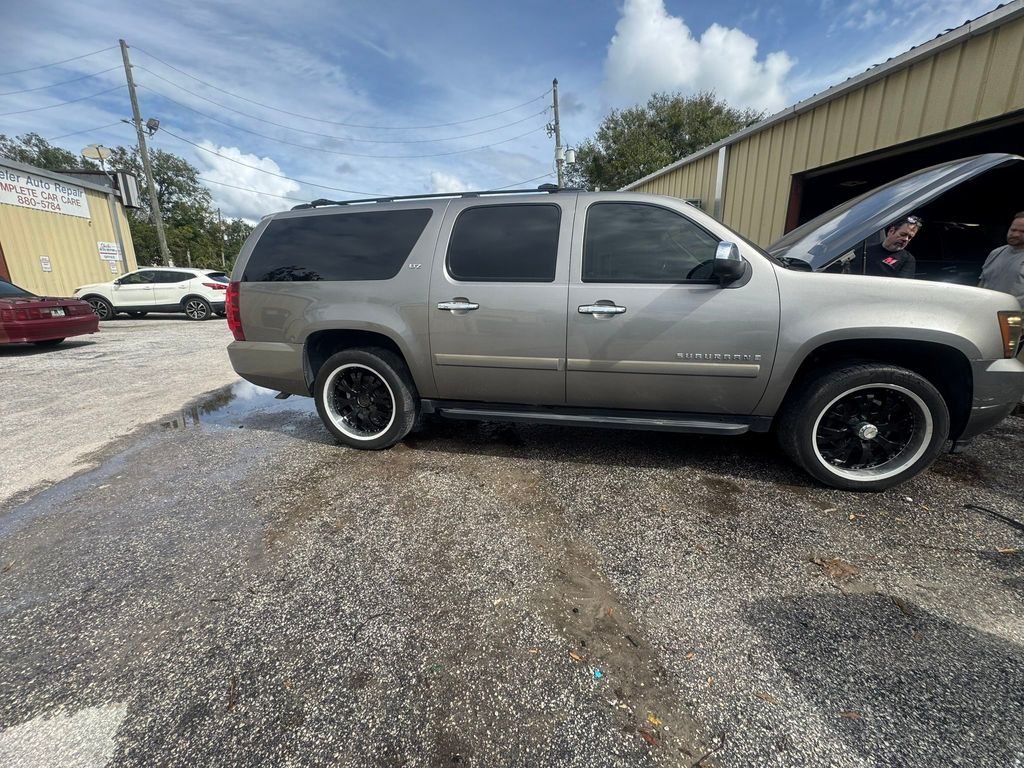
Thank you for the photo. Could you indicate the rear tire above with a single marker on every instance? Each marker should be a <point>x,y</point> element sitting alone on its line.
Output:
<point>197,308</point>
<point>104,309</point>
<point>366,398</point>
<point>864,426</point>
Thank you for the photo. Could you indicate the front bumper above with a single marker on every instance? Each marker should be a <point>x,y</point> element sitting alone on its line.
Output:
<point>998,387</point>
<point>270,364</point>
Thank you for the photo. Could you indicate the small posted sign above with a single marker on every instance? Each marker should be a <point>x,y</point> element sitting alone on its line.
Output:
<point>109,251</point>
<point>44,262</point>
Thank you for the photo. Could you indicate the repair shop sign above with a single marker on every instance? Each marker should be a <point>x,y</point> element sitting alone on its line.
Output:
<point>26,190</point>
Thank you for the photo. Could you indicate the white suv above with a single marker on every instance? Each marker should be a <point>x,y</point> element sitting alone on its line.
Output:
<point>199,293</point>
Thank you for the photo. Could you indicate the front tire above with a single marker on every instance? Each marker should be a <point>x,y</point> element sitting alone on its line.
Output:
<point>197,308</point>
<point>864,426</point>
<point>104,309</point>
<point>366,398</point>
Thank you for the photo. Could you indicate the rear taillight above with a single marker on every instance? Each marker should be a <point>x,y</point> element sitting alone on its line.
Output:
<point>234,315</point>
<point>216,286</point>
<point>7,315</point>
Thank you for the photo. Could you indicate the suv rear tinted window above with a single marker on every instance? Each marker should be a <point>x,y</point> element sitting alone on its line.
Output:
<point>505,243</point>
<point>639,243</point>
<point>369,245</point>
<point>173,277</point>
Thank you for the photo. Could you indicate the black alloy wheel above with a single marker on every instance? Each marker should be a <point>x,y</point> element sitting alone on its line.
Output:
<point>366,397</point>
<point>863,426</point>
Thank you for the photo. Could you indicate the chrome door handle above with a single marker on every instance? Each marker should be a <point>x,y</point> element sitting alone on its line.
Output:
<point>457,306</point>
<point>597,310</point>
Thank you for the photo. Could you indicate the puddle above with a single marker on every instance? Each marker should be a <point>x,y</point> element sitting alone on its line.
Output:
<point>84,739</point>
<point>236,405</point>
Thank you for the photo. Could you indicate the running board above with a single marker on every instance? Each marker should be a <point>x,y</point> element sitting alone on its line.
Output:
<point>701,424</point>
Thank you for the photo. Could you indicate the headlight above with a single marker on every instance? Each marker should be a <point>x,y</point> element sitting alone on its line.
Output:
<point>1010,327</point>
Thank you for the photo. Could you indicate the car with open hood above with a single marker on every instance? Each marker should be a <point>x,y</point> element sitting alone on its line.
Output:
<point>618,309</point>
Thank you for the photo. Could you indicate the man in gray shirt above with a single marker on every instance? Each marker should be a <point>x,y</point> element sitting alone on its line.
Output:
<point>1004,267</point>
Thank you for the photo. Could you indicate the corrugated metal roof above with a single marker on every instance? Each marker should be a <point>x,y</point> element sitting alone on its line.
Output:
<point>984,23</point>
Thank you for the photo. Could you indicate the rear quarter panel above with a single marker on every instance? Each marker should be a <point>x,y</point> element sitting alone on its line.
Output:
<point>289,312</point>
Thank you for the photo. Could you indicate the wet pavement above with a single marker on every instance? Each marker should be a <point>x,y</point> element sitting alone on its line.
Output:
<point>230,587</point>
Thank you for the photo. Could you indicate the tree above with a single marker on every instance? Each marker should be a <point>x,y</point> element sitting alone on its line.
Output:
<point>190,221</point>
<point>634,142</point>
<point>33,149</point>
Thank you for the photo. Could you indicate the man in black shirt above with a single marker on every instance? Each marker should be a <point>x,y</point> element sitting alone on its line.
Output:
<point>889,257</point>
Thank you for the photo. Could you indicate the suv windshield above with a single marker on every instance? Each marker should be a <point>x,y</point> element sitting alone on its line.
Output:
<point>10,291</point>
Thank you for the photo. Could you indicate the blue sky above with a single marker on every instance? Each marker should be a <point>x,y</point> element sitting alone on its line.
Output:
<point>381,98</point>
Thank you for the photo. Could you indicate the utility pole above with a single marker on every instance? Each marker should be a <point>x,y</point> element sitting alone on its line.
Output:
<point>559,151</point>
<point>158,220</point>
<point>220,229</point>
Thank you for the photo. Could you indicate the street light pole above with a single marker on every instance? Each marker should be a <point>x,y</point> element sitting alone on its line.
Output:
<point>154,201</point>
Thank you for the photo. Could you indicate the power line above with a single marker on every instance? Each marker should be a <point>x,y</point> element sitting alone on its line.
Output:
<point>520,183</point>
<point>256,191</point>
<point>54,85</point>
<point>303,130</point>
<point>54,64</point>
<point>87,130</point>
<point>306,146</point>
<point>334,122</point>
<point>263,170</point>
<point>381,157</point>
<point>61,104</point>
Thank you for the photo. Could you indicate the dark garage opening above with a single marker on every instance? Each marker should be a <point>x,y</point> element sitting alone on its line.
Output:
<point>962,226</point>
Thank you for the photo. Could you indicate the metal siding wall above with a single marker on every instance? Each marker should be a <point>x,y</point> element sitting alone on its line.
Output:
<point>69,241</point>
<point>980,78</point>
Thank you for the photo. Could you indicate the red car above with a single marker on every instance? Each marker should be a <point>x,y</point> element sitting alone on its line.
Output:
<point>43,321</point>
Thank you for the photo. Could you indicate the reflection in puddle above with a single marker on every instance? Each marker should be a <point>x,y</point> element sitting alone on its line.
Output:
<point>84,739</point>
<point>235,405</point>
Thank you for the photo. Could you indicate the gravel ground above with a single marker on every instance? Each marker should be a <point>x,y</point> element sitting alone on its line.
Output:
<point>229,587</point>
<point>93,389</point>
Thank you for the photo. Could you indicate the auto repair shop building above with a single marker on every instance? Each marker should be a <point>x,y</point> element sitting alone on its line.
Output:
<point>957,95</point>
<point>59,231</point>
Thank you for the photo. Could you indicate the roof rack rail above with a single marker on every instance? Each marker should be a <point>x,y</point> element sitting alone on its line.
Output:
<point>550,188</point>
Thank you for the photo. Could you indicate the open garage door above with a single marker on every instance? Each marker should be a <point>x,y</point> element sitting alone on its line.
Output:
<point>962,226</point>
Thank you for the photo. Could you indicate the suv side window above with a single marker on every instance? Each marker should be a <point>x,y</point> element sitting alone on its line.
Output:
<point>505,243</point>
<point>173,277</point>
<point>369,245</point>
<point>145,277</point>
<point>641,243</point>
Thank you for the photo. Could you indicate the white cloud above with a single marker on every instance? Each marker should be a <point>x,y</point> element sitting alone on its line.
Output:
<point>445,182</point>
<point>241,202</point>
<point>652,51</point>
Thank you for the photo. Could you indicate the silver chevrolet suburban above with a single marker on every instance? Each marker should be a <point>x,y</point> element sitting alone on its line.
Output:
<point>625,310</point>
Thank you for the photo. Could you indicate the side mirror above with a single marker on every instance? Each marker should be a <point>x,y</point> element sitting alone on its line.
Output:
<point>117,282</point>
<point>729,265</point>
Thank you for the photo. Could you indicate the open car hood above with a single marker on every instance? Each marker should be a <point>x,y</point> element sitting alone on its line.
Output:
<point>825,238</point>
